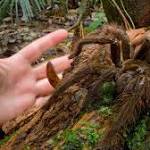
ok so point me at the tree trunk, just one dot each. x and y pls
(138, 10)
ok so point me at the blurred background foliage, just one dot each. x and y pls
(24, 8)
(27, 10)
(98, 20)
(87, 12)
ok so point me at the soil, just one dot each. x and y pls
(15, 36)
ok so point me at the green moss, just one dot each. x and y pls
(6, 139)
(92, 133)
(3, 141)
(105, 111)
(92, 136)
(87, 124)
(108, 91)
(76, 139)
(136, 139)
(27, 147)
(72, 141)
(89, 133)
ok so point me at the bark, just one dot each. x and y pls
(10, 126)
(139, 11)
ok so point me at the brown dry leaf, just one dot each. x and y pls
(51, 75)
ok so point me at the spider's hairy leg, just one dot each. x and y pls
(116, 54)
(136, 37)
(87, 40)
(118, 33)
(109, 34)
(134, 100)
(144, 52)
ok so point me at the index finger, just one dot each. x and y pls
(36, 48)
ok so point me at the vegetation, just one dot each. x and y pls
(29, 8)
(6, 139)
(77, 139)
(136, 138)
(108, 91)
(98, 20)
(105, 111)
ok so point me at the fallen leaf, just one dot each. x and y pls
(51, 75)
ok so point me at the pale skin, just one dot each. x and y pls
(22, 85)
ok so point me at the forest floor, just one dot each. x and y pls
(15, 36)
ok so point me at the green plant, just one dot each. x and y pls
(136, 140)
(27, 7)
(6, 139)
(105, 111)
(26, 147)
(91, 133)
(3, 141)
(92, 136)
(98, 20)
(108, 91)
(75, 139)
(72, 141)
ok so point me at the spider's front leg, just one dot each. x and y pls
(108, 34)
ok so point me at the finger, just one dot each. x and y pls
(60, 64)
(41, 101)
(36, 48)
(44, 88)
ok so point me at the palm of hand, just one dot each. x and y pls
(23, 85)
(19, 87)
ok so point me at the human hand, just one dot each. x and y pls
(23, 85)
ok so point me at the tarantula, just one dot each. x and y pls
(127, 62)
(113, 58)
